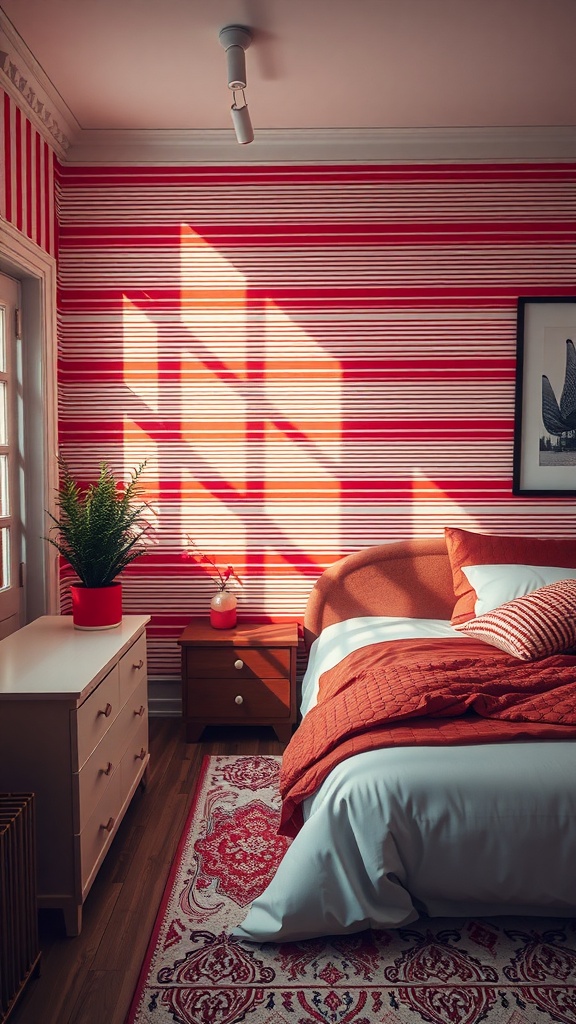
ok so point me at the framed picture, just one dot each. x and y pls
(545, 414)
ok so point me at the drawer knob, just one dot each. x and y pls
(107, 711)
(140, 711)
(109, 825)
(142, 754)
(239, 664)
(108, 769)
(238, 699)
(138, 664)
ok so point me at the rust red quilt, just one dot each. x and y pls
(424, 692)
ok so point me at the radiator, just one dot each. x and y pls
(19, 952)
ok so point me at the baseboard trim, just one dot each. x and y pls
(164, 707)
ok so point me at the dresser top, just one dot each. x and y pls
(51, 659)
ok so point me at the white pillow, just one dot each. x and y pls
(498, 584)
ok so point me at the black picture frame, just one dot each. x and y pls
(544, 462)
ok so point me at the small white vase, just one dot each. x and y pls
(223, 610)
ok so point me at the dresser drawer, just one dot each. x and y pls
(235, 700)
(95, 716)
(97, 834)
(94, 777)
(134, 757)
(132, 668)
(239, 662)
(133, 714)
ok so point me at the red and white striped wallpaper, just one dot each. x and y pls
(311, 359)
(27, 190)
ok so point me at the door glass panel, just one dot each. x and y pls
(3, 421)
(4, 558)
(4, 492)
(2, 340)
(11, 441)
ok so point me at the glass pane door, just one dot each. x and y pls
(10, 446)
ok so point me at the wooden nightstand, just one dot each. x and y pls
(240, 676)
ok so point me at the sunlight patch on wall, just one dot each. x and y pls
(139, 447)
(212, 398)
(140, 354)
(213, 526)
(140, 379)
(302, 443)
(433, 509)
(260, 415)
(213, 298)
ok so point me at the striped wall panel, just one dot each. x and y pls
(27, 184)
(311, 359)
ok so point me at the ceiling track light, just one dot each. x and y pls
(236, 39)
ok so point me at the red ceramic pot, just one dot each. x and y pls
(96, 607)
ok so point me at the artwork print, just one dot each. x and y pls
(558, 443)
(545, 420)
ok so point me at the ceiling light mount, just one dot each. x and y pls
(236, 39)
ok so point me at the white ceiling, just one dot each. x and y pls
(313, 64)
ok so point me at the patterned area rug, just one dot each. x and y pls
(457, 971)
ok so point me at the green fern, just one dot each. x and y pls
(99, 529)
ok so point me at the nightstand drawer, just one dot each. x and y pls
(231, 700)
(238, 662)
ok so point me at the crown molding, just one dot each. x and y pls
(378, 145)
(23, 79)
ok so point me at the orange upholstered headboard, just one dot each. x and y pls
(409, 578)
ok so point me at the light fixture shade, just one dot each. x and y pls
(242, 124)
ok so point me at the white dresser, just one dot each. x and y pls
(74, 731)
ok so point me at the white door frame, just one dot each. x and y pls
(36, 271)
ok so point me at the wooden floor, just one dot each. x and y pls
(91, 979)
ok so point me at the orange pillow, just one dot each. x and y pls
(466, 548)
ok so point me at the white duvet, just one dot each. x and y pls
(448, 831)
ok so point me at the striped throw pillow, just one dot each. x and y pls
(532, 626)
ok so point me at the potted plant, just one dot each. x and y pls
(99, 530)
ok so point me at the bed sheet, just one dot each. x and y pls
(446, 831)
(341, 638)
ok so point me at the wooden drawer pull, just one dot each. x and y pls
(138, 664)
(141, 755)
(108, 769)
(109, 825)
(140, 711)
(238, 699)
(239, 664)
(107, 711)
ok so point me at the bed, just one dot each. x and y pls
(441, 812)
